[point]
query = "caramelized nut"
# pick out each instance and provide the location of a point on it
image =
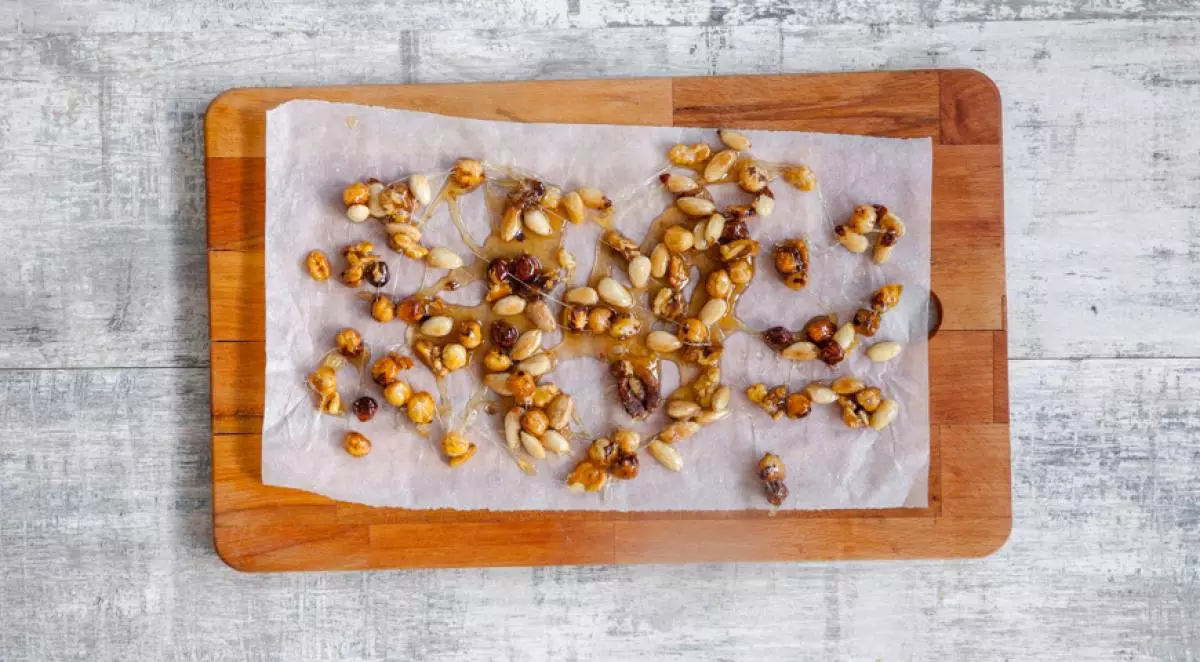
(625, 465)
(820, 329)
(467, 174)
(599, 320)
(349, 343)
(639, 271)
(801, 177)
(866, 321)
(356, 194)
(532, 445)
(771, 467)
(587, 477)
(679, 184)
(356, 444)
(847, 385)
(614, 293)
(886, 297)
(689, 154)
(693, 206)
(854, 242)
(572, 204)
(778, 338)
(862, 219)
(535, 422)
(678, 431)
(678, 239)
(420, 408)
(454, 356)
(798, 405)
(625, 326)
(397, 393)
(713, 311)
(382, 308)
(584, 296)
(318, 265)
(539, 313)
(868, 399)
(718, 285)
(718, 167)
(800, 351)
(560, 410)
(734, 140)
(791, 261)
(602, 451)
(503, 334)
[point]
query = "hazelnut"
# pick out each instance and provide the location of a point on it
(498, 270)
(866, 321)
(412, 310)
(886, 297)
(625, 465)
(364, 408)
(376, 273)
(397, 393)
(356, 194)
(323, 380)
(421, 408)
(467, 174)
(777, 492)
(832, 353)
(820, 329)
(771, 467)
(798, 405)
(868, 398)
(349, 343)
(599, 320)
(356, 444)
(470, 334)
(602, 451)
(575, 318)
(526, 268)
(734, 230)
(777, 338)
(382, 308)
(504, 335)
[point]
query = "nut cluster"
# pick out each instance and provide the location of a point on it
(616, 456)
(637, 312)
(772, 472)
(868, 220)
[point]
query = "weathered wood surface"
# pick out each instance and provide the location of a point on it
(105, 522)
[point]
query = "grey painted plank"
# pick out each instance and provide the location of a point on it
(101, 163)
(105, 551)
(97, 16)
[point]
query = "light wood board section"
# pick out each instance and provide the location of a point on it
(262, 528)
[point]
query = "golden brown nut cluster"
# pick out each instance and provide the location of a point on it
(871, 220)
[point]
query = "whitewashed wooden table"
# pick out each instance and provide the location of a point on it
(105, 530)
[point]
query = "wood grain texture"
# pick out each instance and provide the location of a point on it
(106, 523)
(261, 528)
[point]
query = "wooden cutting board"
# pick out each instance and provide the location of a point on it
(970, 510)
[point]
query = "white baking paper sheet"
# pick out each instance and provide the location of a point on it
(315, 148)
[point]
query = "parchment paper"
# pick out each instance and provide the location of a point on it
(315, 148)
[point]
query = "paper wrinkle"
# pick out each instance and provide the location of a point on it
(313, 152)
